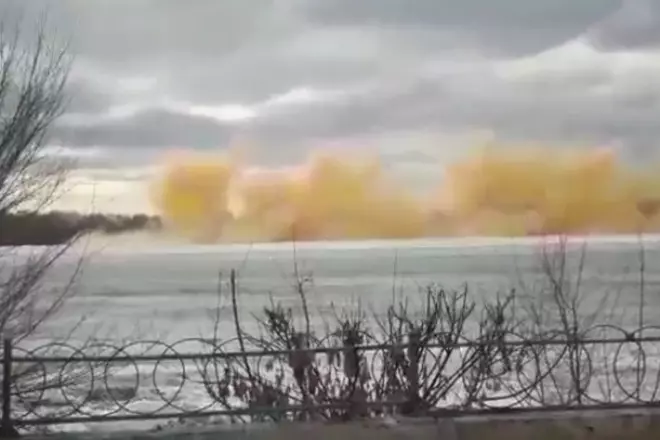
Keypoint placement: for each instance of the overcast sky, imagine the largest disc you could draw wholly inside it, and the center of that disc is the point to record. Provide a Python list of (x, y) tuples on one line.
[(418, 80)]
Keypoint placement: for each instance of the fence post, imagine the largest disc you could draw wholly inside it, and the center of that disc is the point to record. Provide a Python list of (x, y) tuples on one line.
[(7, 429)]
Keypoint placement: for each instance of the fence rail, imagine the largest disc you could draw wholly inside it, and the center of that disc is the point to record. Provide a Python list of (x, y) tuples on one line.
[(58, 383)]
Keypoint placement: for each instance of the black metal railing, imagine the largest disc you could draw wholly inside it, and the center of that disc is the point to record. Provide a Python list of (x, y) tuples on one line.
[(58, 383)]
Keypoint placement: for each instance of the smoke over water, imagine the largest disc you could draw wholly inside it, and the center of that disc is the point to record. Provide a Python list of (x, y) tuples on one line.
[(510, 192)]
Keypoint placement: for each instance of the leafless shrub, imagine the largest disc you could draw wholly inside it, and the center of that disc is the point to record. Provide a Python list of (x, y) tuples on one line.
[(419, 359), (446, 353)]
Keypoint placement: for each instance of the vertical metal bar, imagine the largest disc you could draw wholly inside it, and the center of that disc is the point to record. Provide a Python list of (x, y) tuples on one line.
[(7, 429)]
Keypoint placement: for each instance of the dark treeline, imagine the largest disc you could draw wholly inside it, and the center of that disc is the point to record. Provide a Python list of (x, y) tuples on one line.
[(56, 227)]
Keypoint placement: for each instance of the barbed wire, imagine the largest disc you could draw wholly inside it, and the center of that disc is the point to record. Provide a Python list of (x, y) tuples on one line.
[(196, 377)]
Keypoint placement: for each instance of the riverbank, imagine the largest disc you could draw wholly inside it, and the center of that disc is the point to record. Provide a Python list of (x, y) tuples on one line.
[(631, 424)]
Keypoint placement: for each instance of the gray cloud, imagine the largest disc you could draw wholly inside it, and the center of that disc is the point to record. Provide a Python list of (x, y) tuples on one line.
[(146, 129), (636, 24), (557, 102), (508, 26), (521, 69), (85, 98), (127, 31)]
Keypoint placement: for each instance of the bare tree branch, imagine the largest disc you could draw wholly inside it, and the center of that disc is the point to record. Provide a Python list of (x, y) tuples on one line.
[(32, 80)]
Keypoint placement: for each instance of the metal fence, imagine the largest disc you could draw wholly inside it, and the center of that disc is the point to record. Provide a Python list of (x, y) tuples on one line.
[(150, 380)]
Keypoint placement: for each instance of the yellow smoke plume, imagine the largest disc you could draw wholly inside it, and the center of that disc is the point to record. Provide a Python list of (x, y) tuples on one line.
[(192, 195), (492, 192)]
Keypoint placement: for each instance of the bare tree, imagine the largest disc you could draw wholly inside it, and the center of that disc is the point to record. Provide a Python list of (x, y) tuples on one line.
[(33, 75), (32, 79)]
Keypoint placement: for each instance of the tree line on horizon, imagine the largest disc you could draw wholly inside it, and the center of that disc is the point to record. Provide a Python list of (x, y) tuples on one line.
[(24, 228)]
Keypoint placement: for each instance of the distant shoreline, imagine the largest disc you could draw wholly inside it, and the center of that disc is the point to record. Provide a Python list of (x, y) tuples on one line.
[(57, 227)]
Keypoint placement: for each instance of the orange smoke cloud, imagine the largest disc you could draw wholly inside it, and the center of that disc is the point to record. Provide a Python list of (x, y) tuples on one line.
[(495, 192), (192, 195)]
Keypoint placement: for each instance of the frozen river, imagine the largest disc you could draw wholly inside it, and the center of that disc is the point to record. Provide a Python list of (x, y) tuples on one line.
[(134, 288), (138, 288)]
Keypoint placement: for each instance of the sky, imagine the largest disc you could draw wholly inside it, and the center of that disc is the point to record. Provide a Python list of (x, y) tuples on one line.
[(418, 81)]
